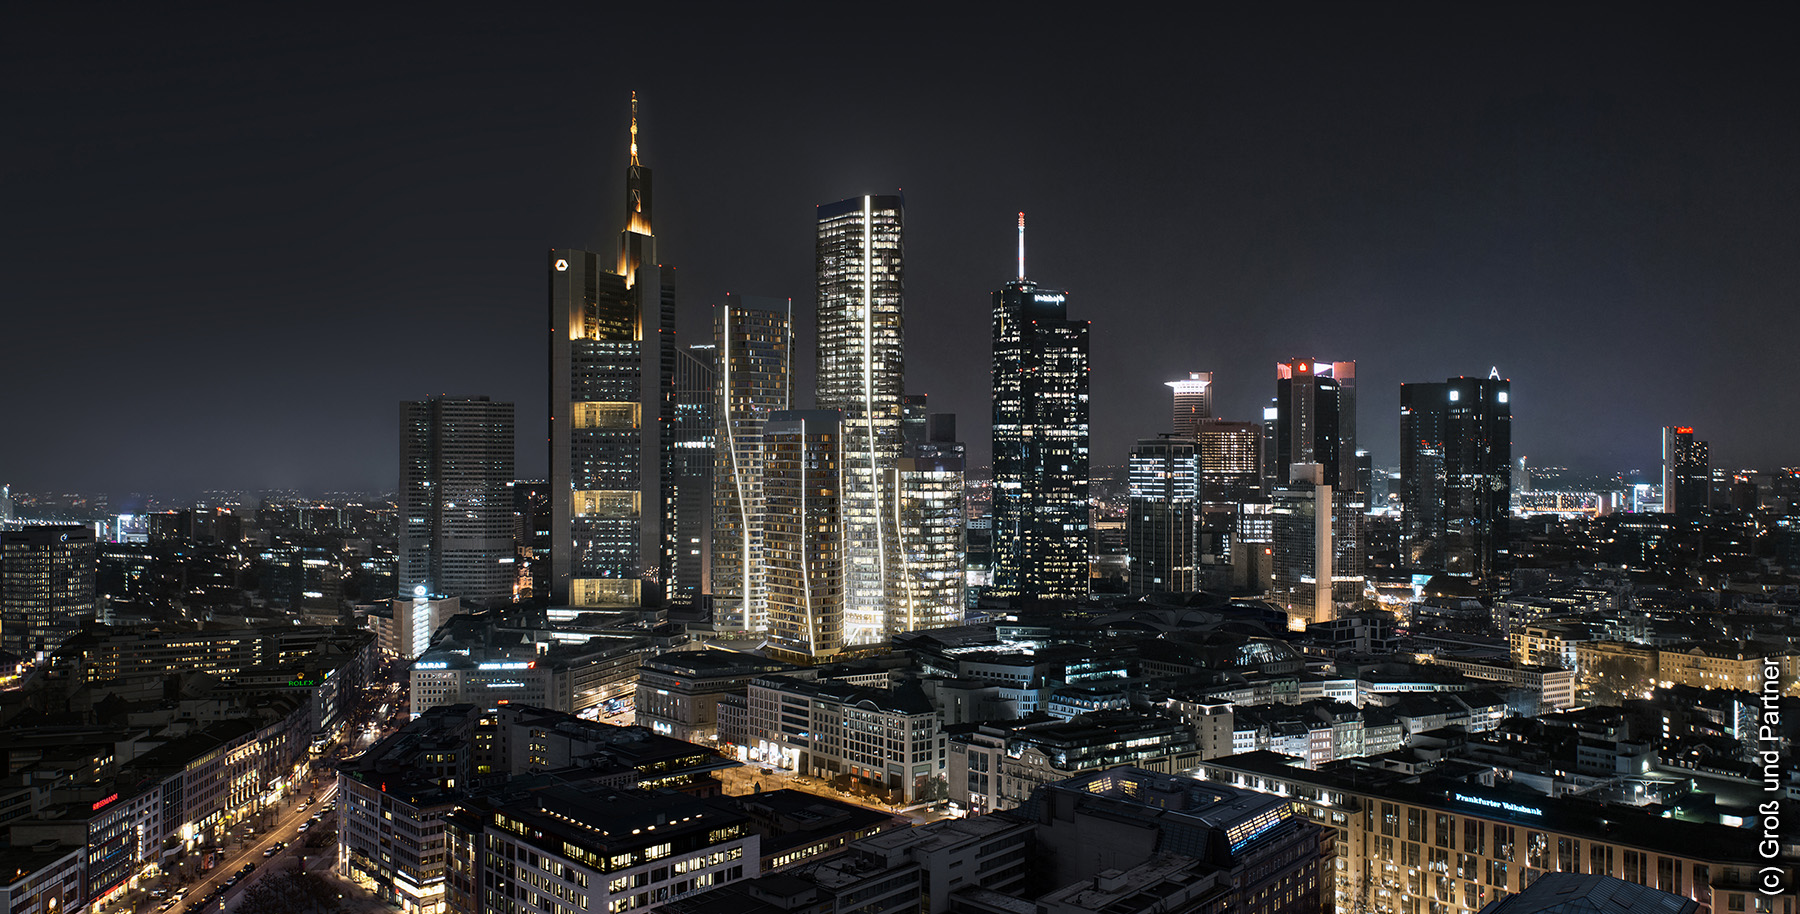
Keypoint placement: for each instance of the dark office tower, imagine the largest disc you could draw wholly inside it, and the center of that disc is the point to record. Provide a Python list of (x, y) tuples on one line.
[(1315, 416), (933, 526), (1040, 451), (913, 412), (531, 539), (456, 507), (1230, 458), (1456, 475), (1160, 531), (691, 455), (1478, 475), (612, 399), (1422, 473), (754, 342), (803, 532), (1686, 465), (860, 255), (1193, 401), (46, 586)]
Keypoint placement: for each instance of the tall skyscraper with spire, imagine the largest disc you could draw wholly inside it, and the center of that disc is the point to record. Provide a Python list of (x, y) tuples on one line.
[(753, 342), (612, 384), (861, 373), (1040, 452)]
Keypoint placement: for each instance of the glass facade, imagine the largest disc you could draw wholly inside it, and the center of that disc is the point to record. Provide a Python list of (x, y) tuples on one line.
[(1040, 428), (803, 538), (754, 344), (1161, 529), (860, 255)]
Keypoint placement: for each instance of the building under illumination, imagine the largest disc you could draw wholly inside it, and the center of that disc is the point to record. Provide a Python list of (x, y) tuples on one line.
[(861, 373), (612, 380), (803, 532), (46, 586), (1193, 397), (1160, 531), (753, 343), (1315, 418), (1040, 444), (456, 504), (933, 528), (1685, 469), (1230, 459)]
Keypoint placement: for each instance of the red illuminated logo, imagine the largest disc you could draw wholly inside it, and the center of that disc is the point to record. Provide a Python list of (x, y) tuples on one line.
[(100, 803)]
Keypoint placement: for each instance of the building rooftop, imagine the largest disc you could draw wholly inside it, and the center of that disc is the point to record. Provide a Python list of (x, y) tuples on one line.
[(1569, 893)]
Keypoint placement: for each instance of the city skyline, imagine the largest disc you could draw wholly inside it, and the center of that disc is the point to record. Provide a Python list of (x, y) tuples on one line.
[(1600, 206)]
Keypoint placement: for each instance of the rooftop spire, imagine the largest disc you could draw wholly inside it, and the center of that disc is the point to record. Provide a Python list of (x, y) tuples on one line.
[(634, 157), (1021, 247)]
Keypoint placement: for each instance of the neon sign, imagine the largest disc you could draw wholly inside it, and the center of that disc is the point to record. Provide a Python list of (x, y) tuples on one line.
[(98, 804), (1498, 804)]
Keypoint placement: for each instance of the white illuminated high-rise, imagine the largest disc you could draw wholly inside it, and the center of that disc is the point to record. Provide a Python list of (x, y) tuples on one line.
[(861, 367), (1193, 401), (753, 342)]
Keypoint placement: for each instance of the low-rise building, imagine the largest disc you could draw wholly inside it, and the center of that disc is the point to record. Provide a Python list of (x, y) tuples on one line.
[(42, 878), (1449, 838), (888, 740), (678, 693), (996, 766), (585, 849)]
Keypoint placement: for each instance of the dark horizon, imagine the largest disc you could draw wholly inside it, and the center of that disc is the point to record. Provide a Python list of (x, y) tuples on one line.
[(236, 245)]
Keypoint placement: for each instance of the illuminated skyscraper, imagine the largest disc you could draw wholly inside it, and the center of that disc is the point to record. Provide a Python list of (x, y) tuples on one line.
[(1040, 506), (933, 526), (1193, 401), (1230, 458), (1456, 474), (46, 586), (691, 450), (1161, 530), (456, 501), (753, 340), (1304, 549), (1315, 416), (861, 373), (1686, 466), (803, 532), (612, 381)]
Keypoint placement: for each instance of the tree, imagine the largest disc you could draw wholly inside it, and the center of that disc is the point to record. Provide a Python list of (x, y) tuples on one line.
[(298, 892)]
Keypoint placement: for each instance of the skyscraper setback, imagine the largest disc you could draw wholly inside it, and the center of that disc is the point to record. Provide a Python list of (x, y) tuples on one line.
[(456, 502), (1040, 444), (860, 253), (753, 342), (612, 379)]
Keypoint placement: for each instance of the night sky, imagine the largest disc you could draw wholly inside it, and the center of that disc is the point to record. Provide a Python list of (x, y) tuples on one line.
[(232, 244)]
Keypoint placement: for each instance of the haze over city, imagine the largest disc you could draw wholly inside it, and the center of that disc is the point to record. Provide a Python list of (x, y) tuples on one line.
[(234, 243)]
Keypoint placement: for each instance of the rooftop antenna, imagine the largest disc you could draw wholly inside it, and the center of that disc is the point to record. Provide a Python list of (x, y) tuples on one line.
[(1021, 247)]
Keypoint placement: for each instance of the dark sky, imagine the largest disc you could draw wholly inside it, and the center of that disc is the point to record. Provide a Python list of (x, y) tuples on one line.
[(232, 244)]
